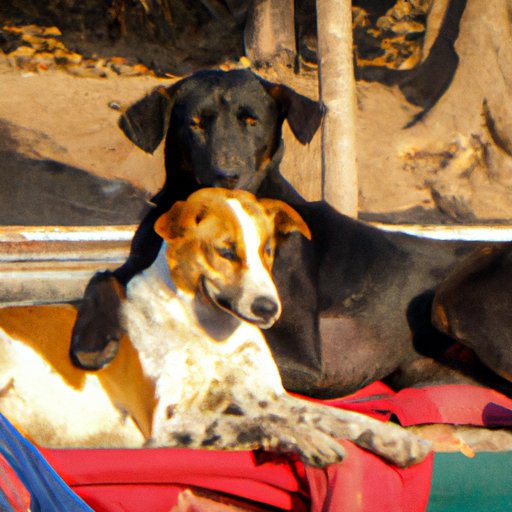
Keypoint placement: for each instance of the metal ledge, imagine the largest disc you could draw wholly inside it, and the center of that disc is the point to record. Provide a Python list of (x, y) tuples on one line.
[(40, 265), (52, 264), (481, 233)]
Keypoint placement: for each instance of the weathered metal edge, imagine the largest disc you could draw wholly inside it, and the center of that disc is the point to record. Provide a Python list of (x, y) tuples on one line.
[(49, 264)]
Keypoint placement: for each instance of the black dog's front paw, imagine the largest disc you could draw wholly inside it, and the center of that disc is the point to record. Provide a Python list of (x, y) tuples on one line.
[(97, 331)]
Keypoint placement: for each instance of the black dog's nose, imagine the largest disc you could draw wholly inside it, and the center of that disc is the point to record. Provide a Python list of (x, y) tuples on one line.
[(264, 307), (226, 179)]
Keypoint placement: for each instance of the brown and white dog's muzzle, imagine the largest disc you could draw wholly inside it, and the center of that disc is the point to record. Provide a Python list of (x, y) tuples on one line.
[(260, 308)]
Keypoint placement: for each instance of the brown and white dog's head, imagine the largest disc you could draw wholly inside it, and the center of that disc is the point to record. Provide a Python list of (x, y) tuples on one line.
[(221, 243)]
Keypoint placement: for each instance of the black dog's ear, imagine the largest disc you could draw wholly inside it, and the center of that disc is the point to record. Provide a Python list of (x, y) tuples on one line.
[(304, 115), (145, 123)]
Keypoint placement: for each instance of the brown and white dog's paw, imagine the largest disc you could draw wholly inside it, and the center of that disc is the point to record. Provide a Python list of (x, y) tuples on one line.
[(314, 447), (387, 440)]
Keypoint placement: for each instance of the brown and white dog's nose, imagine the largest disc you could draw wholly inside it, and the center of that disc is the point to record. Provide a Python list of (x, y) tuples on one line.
[(265, 308)]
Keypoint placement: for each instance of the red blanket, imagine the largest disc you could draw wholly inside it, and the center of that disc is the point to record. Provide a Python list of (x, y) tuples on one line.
[(152, 480)]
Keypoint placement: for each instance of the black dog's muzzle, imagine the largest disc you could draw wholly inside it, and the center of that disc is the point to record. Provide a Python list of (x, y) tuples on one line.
[(225, 179)]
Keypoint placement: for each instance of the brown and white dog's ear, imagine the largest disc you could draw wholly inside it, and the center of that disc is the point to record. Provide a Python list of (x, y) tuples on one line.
[(304, 115), (286, 219), (182, 216), (145, 123), (168, 225)]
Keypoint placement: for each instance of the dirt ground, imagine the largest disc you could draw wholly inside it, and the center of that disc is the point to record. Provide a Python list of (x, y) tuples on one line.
[(71, 120), (63, 159)]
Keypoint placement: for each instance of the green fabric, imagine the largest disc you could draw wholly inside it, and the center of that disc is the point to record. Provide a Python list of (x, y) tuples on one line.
[(480, 484)]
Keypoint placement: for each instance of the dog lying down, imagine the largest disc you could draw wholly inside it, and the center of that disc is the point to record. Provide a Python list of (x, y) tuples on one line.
[(206, 378)]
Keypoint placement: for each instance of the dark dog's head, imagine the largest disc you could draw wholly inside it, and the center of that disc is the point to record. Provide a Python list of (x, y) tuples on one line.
[(222, 128)]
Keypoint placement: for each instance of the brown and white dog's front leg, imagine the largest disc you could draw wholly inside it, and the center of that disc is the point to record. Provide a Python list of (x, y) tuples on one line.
[(235, 430), (273, 432), (288, 424), (313, 431)]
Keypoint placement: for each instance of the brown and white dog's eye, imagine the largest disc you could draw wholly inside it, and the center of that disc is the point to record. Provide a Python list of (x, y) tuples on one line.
[(228, 253), (268, 250)]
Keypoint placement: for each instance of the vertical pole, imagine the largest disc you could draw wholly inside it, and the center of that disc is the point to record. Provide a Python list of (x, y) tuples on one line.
[(337, 91)]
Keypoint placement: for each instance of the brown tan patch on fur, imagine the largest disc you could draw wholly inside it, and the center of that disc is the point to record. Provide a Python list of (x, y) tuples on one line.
[(47, 330), (197, 231)]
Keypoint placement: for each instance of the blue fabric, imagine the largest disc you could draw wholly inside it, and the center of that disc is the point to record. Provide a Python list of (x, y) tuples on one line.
[(49, 493), (4, 502)]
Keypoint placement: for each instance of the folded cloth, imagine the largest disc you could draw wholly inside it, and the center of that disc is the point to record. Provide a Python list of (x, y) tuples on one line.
[(152, 479), (140, 480), (456, 404), (13, 494)]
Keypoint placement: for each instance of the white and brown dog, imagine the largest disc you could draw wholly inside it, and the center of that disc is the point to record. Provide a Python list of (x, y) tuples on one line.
[(204, 376)]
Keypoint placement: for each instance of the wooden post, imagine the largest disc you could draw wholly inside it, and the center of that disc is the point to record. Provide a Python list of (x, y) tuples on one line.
[(337, 91)]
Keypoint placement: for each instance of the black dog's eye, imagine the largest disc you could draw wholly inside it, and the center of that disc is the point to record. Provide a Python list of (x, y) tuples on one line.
[(246, 117), (197, 122), (228, 253), (202, 120)]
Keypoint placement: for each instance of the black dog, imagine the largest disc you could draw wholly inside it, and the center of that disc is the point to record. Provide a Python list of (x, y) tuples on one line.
[(474, 306), (356, 300), (222, 129)]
